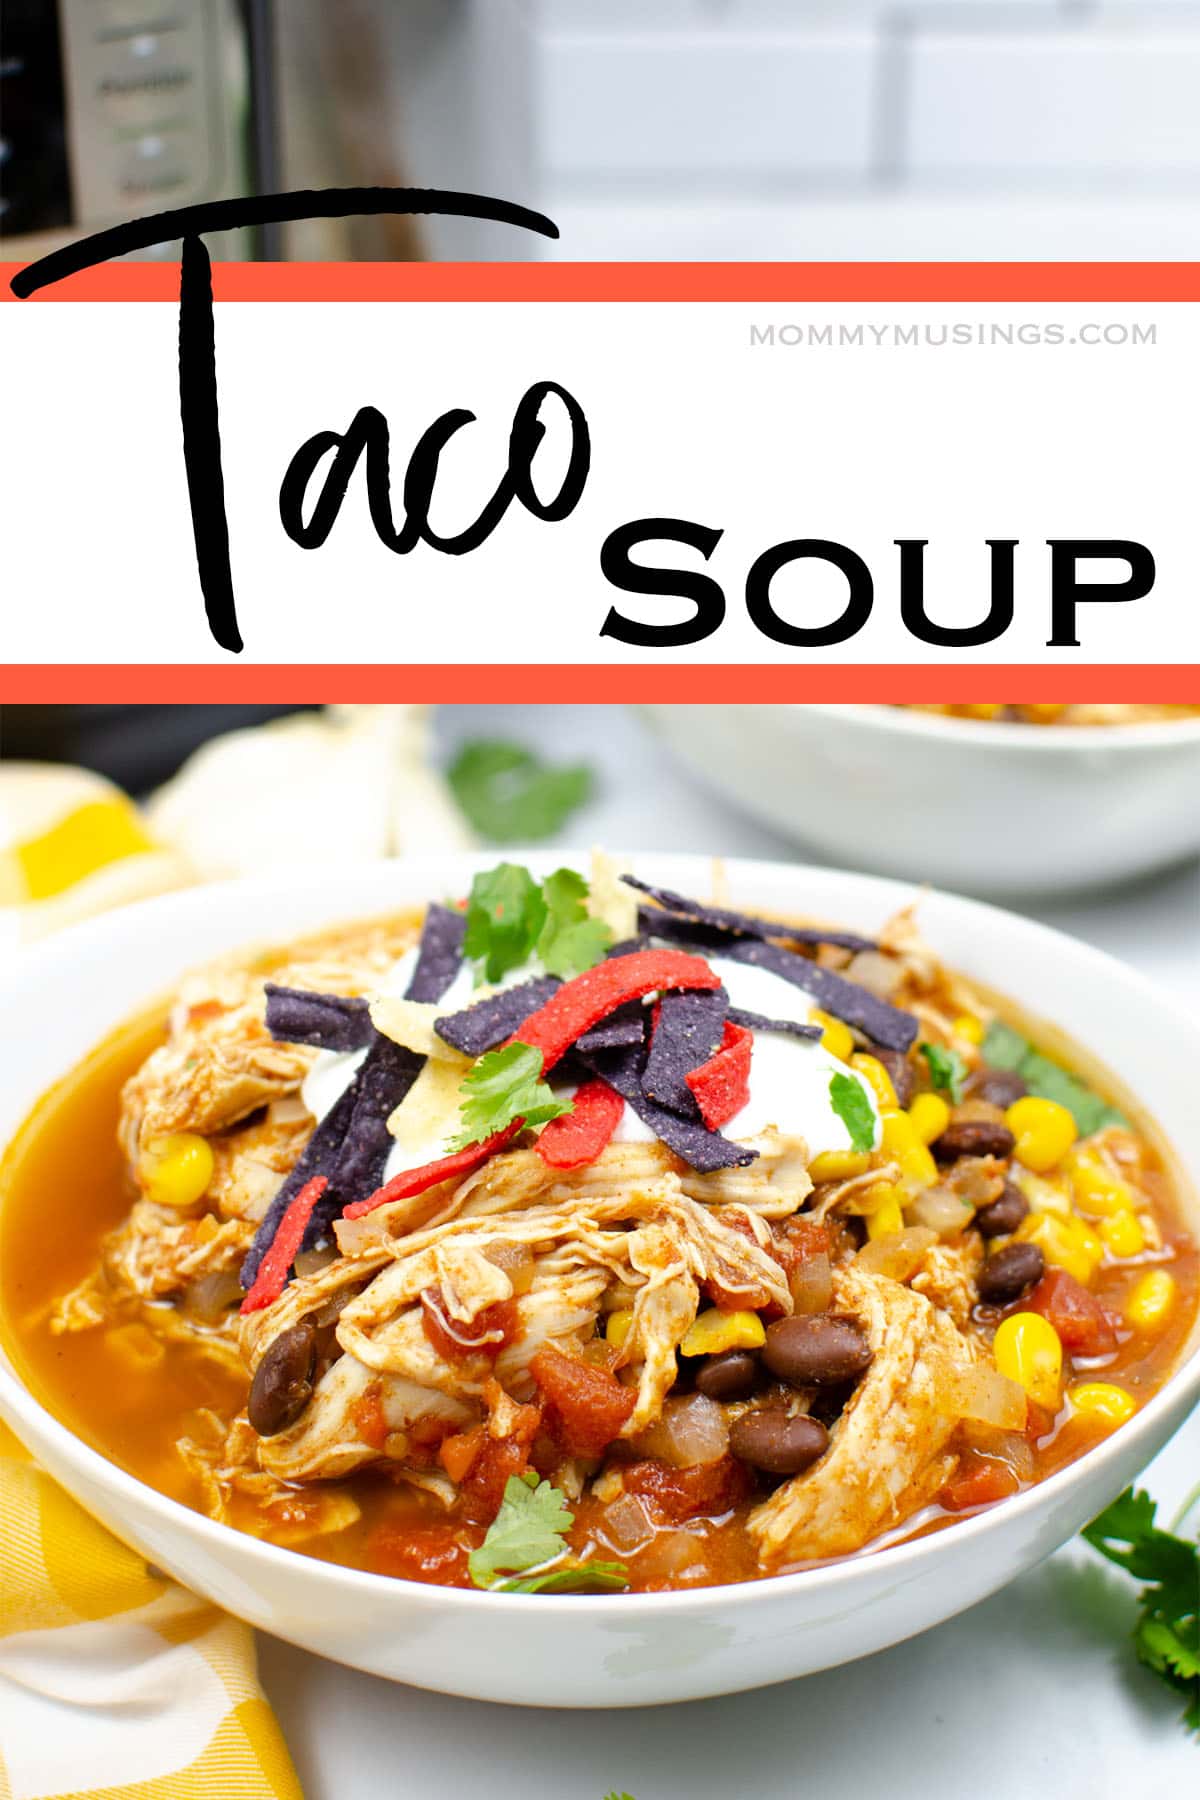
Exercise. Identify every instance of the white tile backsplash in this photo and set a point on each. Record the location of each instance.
(1115, 104)
(701, 103)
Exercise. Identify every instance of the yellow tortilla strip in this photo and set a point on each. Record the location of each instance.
(410, 1022)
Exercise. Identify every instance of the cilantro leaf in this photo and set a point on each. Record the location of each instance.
(502, 1086)
(530, 1528)
(1005, 1048)
(505, 913)
(569, 1578)
(947, 1070)
(570, 941)
(510, 796)
(850, 1103)
(1167, 1635)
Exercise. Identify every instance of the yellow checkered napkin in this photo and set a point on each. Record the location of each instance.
(115, 1683)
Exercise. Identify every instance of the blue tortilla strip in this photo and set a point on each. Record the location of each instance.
(721, 919)
(705, 1151)
(440, 956)
(490, 1022)
(846, 1000)
(622, 1028)
(756, 1022)
(690, 1028)
(386, 1075)
(319, 1157)
(327, 1021)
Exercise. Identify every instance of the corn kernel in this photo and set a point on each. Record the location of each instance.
(715, 1331)
(1044, 1195)
(1058, 1244)
(876, 1078)
(836, 1037)
(616, 1328)
(1086, 1238)
(929, 1116)
(1122, 1234)
(900, 1141)
(1103, 1401)
(1028, 1350)
(1044, 1131)
(886, 1218)
(839, 1165)
(968, 1026)
(1098, 1192)
(1149, 1305)
(177, 1170)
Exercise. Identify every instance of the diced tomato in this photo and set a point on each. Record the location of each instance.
(369, 1420)
(481, 1488)
(586, 1406)
(798, 1241)
(1081, 1321)
(486, 1335)
(456, 1454)
(420, 1553)
(978, 1481)
(678, 1494)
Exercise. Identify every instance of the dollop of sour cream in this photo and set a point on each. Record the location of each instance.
(789, 1076)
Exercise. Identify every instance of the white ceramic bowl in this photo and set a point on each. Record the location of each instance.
(986, 807)
(614, 1650)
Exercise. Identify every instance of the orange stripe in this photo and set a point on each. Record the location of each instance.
(675, 282)
(298, 683)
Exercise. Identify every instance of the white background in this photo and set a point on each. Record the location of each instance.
(860, 445)
(1033, 1692)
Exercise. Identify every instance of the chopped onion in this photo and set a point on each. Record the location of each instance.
(982, 1393)
(626, 1524)
(899, 1254)
(941, 1211)
(670, 1555)
(693, 1429)
(517, 1261)
(812, 1284)
(881, 974)
(1009, 1446)
(209, 1298)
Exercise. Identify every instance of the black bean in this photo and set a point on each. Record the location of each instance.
(729, 1376)
(901, 1071)
(973, 1137)
(283, 1381)
(816, 1350)
(999, 1087)
(772, 1440)
(1007, 1273)
(1003, 1215)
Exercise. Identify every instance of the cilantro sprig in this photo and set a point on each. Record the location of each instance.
(1167, 1634)
(528, 1532)
(510, 796)
(1005, 1048)
(511, 917)
(504, 1085)
(947, 1069)
(850, 1103)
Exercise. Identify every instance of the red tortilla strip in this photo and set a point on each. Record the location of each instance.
(275, 1267)
(415, 1181)
(722, 1084)
(582, 1003)
(577, 1138)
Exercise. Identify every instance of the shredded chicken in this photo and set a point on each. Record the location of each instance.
(947, 1276)
(891, 1432)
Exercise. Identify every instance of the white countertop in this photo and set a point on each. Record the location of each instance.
(1036, 1685)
